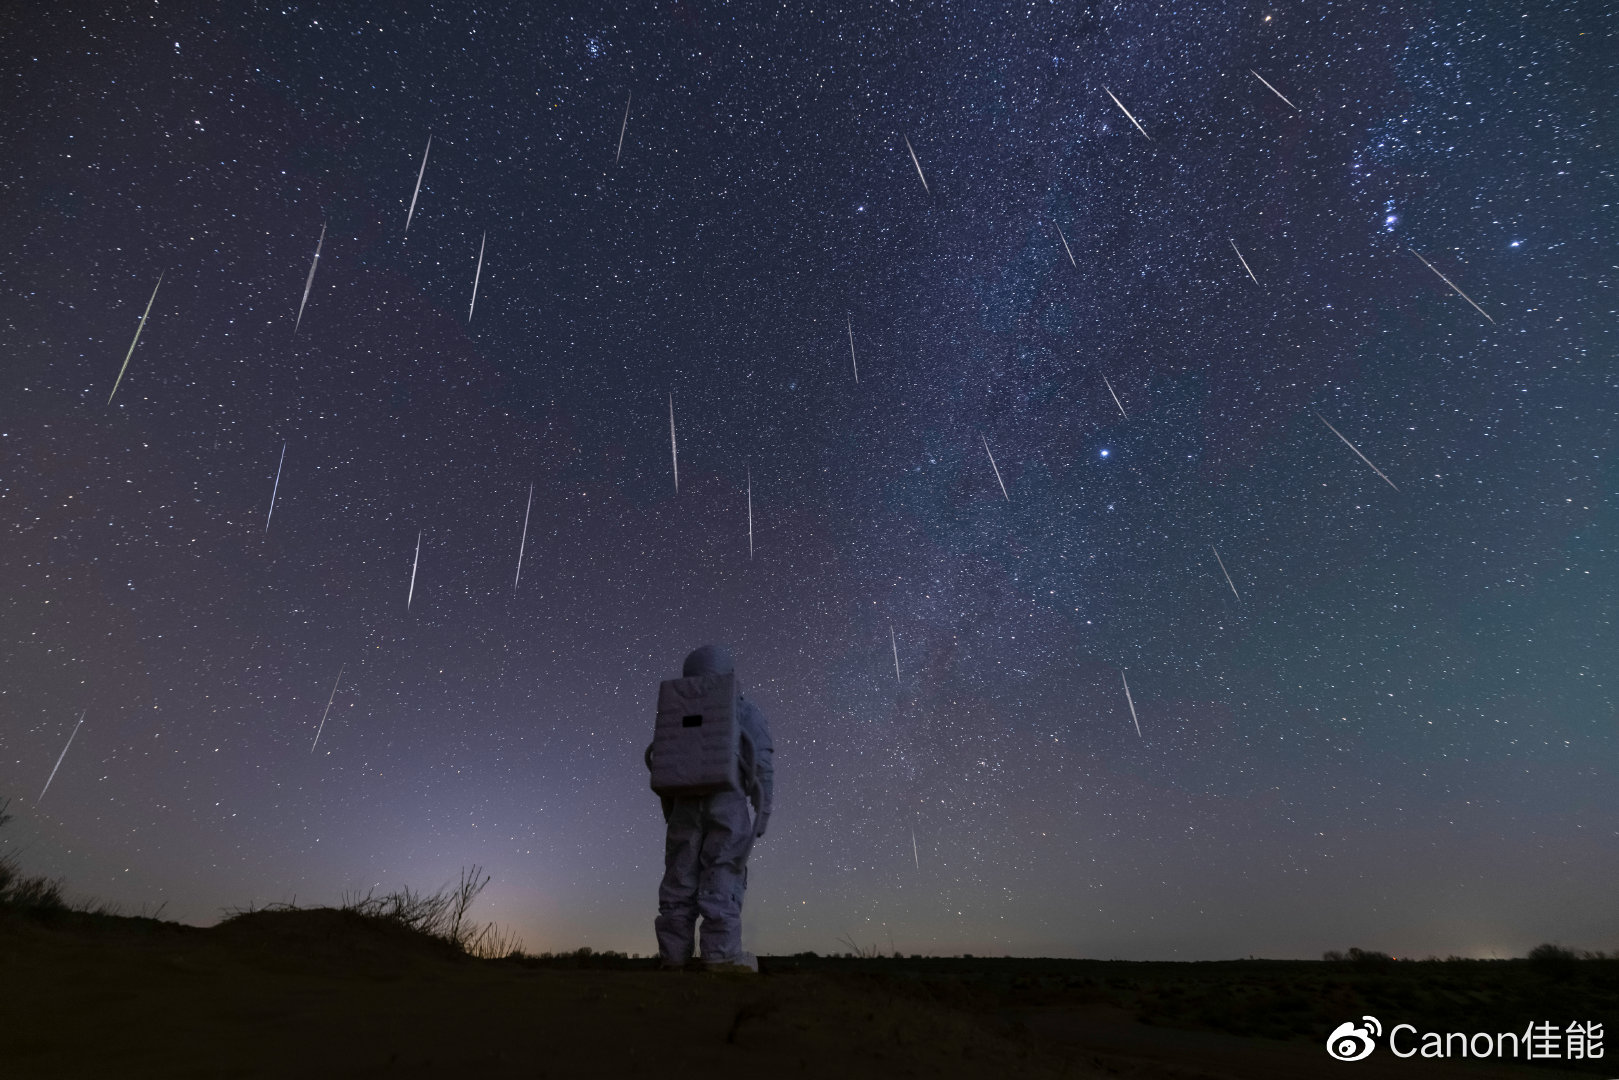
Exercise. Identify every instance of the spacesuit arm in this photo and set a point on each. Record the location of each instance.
(763, 787)
(668, 803)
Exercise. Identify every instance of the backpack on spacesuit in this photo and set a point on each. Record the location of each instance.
(697, 741)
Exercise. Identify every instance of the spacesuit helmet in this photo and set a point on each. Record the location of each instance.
(709, 660)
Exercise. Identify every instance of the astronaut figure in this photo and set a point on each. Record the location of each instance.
(709, 837)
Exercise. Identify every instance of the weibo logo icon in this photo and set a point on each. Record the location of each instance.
(1350, 1043)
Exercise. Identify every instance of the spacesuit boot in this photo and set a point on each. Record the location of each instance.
(742, 962)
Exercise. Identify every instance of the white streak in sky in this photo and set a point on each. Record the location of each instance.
(417, 562)
(1115, 397)
(750, 512)
(894, 644)
(1226, 572)
(1272, 89)
(277, 486)
(1353, 447)
(1244, 262)
(1126, 112)
(625, 126)
(1452, 284)
(674, 455)
(521, 544)
(59, 758)
(138, 330)
(914, 855)
(852, 360)
(477, 276)
(1065, 246)
(310, 280)
(412, 212)
(1132, 704)
(328, 708)
(918, 165)
(992, 465)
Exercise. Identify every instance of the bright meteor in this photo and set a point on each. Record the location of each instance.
(310, 280)
(277, 486)
(1355, 448)
(137, 340)
(412, 212)
(1132, 704)
(1126, 112)
(1244, 262)
(476, 277)
(1273, 89)
(674, 455)
(1065, 246)
(998, 479)
(59, 758)
(328, 711)
(1452, 284)
(918, 165)
(622, 128)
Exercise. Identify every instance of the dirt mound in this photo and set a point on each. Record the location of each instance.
(330, 934)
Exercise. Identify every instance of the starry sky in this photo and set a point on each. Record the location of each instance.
(1393, 726)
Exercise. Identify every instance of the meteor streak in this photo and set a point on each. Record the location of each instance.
(894, 644)
(1224, 571)
(310, 280)
(1272, 89)
(1126, 112)
(750, 513)
(412, 212)
(59, 758)
(1452, 284)
(674, 455)
(418, 561)
(328, 708)
(477, 276)
(852, 360)
(1244, 262)
(914, 855)
(521, 544)
(992, 465)
(1132, 704)
(1352, 446)
(138, 330)
(277, 486)
(918, 165)
(1115, 397)
(1065, 246)
(625, 126)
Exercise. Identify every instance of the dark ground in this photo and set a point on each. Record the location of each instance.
(328, 993)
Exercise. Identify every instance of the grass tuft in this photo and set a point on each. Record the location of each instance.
(441, 915)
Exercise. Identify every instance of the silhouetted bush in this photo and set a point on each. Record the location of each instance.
(1554, 960)
(21, 892)
(1358, 956)
(1553, 954)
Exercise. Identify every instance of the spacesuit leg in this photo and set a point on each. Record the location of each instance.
(723, 877)
(676, 924)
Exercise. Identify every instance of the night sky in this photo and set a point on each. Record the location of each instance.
(1394, 727)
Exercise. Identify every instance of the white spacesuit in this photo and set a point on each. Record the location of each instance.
(708, 840)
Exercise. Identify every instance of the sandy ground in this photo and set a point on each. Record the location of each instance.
(318, 996)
